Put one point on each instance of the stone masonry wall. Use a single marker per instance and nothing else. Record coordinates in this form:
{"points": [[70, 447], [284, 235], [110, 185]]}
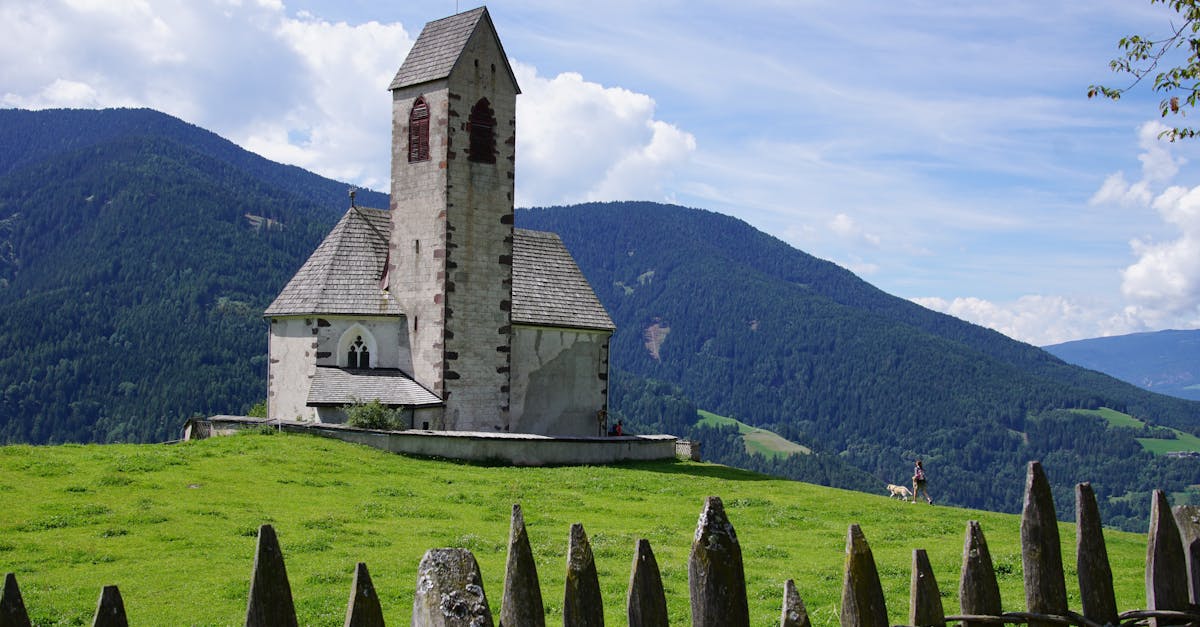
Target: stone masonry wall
{"points": [[417, 246], [479, 231]]}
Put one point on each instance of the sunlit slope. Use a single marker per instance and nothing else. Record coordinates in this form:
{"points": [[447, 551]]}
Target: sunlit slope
{"points": [[174, 527]]}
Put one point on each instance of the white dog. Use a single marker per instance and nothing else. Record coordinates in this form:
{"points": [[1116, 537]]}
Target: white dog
{"points": [[898, 490]]}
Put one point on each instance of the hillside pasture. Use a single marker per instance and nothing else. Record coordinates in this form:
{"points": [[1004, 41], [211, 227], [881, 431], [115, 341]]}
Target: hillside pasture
{"points": [[761, 441], [1183, 441], [175, 526]]}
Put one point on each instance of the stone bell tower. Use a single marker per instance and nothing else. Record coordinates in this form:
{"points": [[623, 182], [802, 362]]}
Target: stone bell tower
{"points": [[451, 242]]}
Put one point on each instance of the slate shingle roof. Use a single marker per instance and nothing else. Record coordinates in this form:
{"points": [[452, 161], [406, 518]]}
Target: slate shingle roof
{"points": [[343, 275], [549, 289], [439, 46], [336, 386]]}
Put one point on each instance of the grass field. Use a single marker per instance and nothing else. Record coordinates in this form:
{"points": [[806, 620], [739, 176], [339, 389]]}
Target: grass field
{"points": [[762, 441], [174, 527], [1182, 442]]}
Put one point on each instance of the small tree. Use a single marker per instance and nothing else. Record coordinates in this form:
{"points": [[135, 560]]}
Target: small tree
{"points": [[1141, 56], [375, 415]]}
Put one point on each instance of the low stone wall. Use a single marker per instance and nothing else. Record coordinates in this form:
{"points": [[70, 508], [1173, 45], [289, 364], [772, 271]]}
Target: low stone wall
{"points": [[518, 449]]}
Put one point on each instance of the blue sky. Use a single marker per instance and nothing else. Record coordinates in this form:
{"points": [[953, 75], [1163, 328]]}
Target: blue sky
{"points": [[944, 151]]}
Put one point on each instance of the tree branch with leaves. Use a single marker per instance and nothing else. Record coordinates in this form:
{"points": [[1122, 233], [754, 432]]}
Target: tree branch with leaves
{"points": [[1144, 57]]}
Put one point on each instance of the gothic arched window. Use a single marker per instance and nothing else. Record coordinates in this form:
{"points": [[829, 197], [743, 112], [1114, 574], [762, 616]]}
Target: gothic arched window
{"points": [[358, 355], [483, 133], [418, 132]]}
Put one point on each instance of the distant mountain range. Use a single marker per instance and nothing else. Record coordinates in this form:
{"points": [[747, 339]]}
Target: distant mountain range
{"points": [[1167, 362], [137, 253]]}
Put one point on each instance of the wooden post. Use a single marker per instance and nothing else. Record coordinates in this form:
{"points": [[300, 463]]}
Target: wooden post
{"points": [[582, 603], [363, 609], [521, 604], [978, 591], [1187, 517], [925, 607], [1041, 554], [450, 591], [12, 606], [716, 578], [1166, 567], [110, 610], [1091, 560], [862, 594], [270, 603], [794, 612], [646, 602]]}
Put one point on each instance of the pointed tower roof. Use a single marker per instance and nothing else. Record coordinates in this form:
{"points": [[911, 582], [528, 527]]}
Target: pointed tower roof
{"points": [[344, 274], [440, 45]]}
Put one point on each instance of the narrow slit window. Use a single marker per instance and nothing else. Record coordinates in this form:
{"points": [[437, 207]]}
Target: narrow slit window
{"points": [[418, 132], [483, 133]]}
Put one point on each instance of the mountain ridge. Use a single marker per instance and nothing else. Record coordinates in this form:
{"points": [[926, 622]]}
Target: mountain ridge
{"points": [[133, 281]]}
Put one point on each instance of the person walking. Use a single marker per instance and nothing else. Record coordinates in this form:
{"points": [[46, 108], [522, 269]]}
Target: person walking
{"points": [[919, 483]]}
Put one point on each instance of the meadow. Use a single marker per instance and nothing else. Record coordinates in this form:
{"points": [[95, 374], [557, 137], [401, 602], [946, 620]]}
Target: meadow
{"points": [[761, 441], [175, 525]]}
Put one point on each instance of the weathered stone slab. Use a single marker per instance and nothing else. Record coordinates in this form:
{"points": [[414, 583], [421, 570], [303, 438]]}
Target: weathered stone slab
{"points": [[646, 602], [1187, 517], [716, 578], [1166, 566], [1091, 560], [270, 603], [364, 609], [110, 609], [1041, 553], [978, 591], [582, 604], [794, 612], [925, 606], [12, 606], [450, 591], [521, 605], [862, 594]]}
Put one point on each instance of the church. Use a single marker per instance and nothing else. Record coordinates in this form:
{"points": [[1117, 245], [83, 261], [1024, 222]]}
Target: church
{"points": [[438, 306]]}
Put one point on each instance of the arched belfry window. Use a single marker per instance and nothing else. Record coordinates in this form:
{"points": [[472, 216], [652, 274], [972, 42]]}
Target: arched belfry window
{"points": [[355, 348], [418, 132], [483, 133]]}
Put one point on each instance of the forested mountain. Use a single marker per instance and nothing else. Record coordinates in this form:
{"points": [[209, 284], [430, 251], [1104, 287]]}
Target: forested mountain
{"points": [[1167, 362], [137, 253], [747, 326]]}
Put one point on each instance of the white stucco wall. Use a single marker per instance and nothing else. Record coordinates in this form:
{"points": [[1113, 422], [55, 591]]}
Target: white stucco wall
{"points": [[291, 365], [559, 380], [298, 345]]}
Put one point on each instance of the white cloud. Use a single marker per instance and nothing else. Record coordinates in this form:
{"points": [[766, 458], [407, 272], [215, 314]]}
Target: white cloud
{"points": [[578, 140], [1040, 320], [843, 225], [1165, 280], [300, 90]]}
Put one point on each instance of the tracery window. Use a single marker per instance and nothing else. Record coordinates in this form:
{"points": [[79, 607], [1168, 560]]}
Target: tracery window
{"points": [[418, 132], [483, 133], [358, 355]]}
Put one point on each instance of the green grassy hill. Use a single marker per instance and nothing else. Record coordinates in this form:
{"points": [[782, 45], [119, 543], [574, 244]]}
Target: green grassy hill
{"points": [[761, 441], [174, 527], [1180, 441]]}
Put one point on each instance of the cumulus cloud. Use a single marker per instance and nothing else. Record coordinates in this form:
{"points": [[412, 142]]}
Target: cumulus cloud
{"points": [[846, 227], [1165, 280], [295, 89], [1040, 320], [1159, 165], [579, 141]]}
